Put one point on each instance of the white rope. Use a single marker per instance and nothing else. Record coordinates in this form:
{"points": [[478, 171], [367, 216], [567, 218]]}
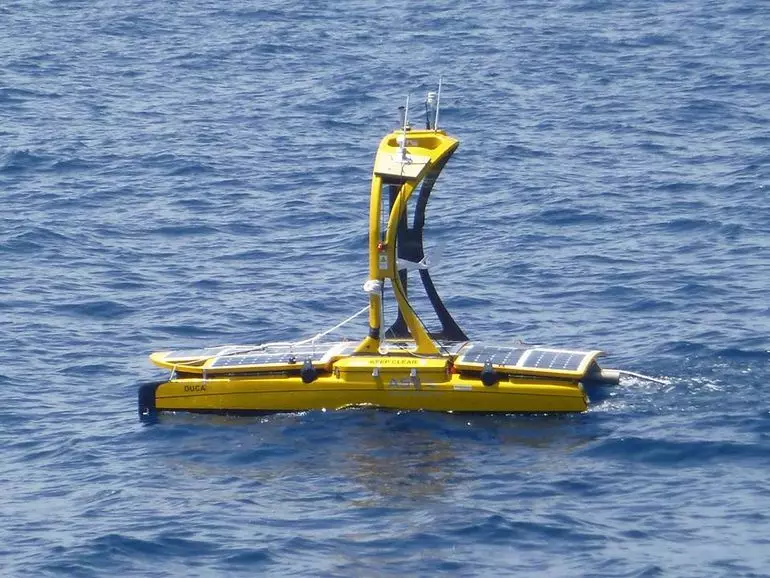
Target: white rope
{"points": [[325, 333], [243, 349], [645, 377]]}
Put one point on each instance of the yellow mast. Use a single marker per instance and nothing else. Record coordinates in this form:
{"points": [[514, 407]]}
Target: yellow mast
{"points": [[403, 159]]}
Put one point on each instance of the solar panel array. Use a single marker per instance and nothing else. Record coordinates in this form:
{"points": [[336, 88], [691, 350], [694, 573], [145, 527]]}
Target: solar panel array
{"points": [[524, 358], [281, 356]]}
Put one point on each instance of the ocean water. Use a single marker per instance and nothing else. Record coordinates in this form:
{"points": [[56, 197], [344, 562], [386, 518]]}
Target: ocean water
{"points": [[187, 174]]}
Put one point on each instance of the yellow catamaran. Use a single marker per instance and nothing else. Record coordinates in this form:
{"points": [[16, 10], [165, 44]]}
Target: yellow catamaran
{"points": [[405, 367]]}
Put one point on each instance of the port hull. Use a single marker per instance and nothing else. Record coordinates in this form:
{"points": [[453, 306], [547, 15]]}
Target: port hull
{"points": [[243, 394]]}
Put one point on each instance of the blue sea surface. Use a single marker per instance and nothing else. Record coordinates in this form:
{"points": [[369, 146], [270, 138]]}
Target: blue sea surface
{"points": [[185, 174]]}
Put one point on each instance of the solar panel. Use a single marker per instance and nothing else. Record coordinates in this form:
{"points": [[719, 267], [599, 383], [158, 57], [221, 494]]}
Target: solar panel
{"points": [[553, 359], [284, 355], [256, 359], [480, 353]]}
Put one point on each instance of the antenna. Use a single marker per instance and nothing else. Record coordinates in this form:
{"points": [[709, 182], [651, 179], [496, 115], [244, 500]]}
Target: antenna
{"points": [[438, 102], [402, 151]]}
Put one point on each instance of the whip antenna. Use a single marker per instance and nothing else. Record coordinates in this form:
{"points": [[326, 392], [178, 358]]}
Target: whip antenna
{"points": [[438, 102]]}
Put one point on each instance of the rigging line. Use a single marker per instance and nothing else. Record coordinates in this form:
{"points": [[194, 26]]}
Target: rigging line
{"points": [[645, 377], [290, 344], [328, 331]]}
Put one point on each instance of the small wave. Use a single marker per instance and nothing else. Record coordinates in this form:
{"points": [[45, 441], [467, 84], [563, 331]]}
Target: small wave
{"points": [[100, 309], [17, 161], [87, 369], [72, 165], [125, 553], [192, 168], [252, 255], [743, 354], [34, 240], [185, 330], [649, 304], [590, 6], [521, 151], [175, 165], [678, 454], [682, 225], [572, 216], [682, 348], [248, 558], [681, 188], [20, 95], [525, 534], [181, 230]]}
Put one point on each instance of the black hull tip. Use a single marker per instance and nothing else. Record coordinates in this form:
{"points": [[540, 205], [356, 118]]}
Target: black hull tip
{"points": [[146, 398]]}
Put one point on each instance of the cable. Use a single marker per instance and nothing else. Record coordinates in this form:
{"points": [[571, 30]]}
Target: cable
{"points": [[645, 377]]}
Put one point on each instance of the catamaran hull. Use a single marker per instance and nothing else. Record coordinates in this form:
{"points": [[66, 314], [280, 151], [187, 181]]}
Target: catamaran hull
{"points": [[239, 395]]}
